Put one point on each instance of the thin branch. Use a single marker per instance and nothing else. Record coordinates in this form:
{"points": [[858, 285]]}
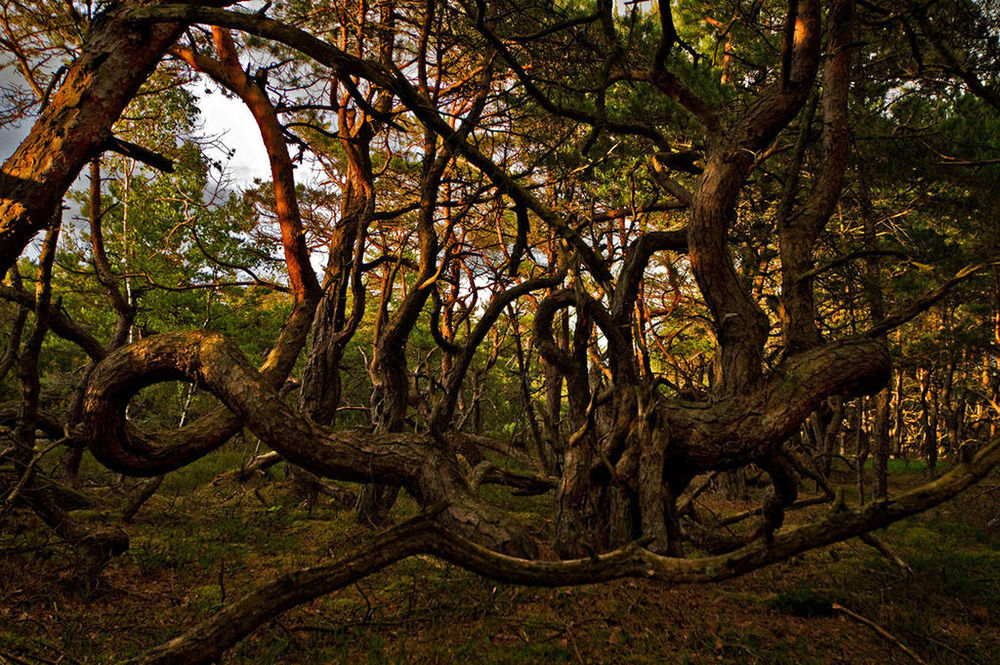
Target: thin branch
{"points": [[881, 631], [924, 303]]}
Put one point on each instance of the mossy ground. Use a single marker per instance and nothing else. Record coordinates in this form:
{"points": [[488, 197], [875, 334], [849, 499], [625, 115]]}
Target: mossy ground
{"points": [[198, 544]]}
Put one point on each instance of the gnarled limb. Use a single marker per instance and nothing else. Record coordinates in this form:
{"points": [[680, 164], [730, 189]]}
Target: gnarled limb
{"points": [[207, 641], [740, 325], [800, 227], [213, 362], [425, 534], [745, 427]]}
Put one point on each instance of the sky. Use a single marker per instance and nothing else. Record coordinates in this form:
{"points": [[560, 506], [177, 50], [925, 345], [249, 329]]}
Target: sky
{"points": [[10, 135], [230, 119], [221, 116]]}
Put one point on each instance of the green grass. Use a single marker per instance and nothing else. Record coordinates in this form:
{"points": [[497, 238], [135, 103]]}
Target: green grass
{"points": [[202, 471], [897, 466]]}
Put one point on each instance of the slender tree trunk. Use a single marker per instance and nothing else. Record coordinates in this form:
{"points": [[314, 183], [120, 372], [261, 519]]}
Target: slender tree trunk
{"points": [[575, 495], [932, 443], [861, 447], [949, 407], [830, 425], [899, 425], [880, 447], [958, 419], [94, 546], [543, 450], [876, 307], [929, 418]]}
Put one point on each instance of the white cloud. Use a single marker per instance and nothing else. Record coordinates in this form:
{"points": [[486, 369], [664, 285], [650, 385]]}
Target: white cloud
{"points": [[229, 119]]}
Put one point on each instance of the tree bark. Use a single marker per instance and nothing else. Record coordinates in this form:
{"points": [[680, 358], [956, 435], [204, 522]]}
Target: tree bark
{"points": [[74, 127]]}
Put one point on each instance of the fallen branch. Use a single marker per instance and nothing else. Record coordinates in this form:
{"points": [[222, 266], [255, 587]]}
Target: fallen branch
{"points": [[207, 641], [27, 475], [880, 630], [887, 552]]}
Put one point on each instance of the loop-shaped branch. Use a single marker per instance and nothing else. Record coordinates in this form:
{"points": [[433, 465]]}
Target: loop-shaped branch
{"points": [[211, 361], [636, 260], [445, 345], [541, 331]]}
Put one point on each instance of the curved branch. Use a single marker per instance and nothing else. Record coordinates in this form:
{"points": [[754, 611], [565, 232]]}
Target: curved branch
{"points": [[435, 324], [58, 322], [741, 326], [227, 72], [636, 260], [208, 640], [211, 361], [542, 329], [157, 453], [215, 363], [745, 428], [468, 350]]}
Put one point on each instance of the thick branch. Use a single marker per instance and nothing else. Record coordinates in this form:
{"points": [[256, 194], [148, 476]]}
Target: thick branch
{"points": [[744, 428], [741, 326], [208, 640], [636, 260], [76, 124], [801, 228]]}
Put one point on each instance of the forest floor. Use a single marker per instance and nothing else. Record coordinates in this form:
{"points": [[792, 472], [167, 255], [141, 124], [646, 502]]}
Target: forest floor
{"points": [[199, 543]]}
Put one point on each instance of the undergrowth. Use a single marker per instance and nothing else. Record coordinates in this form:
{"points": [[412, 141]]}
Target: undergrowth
{"points": [[202, 541]]}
